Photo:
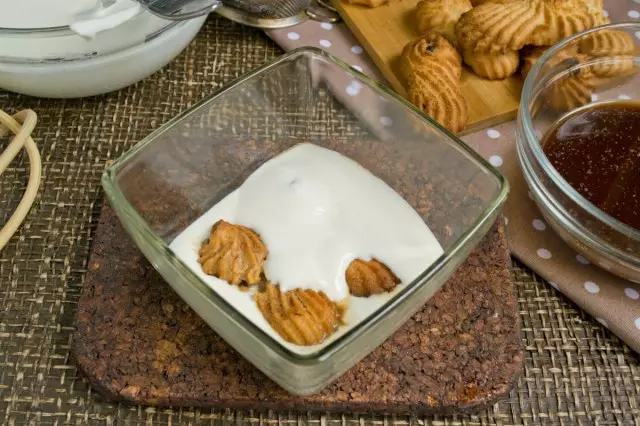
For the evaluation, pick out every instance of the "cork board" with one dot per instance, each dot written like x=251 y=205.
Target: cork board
x=136 y=341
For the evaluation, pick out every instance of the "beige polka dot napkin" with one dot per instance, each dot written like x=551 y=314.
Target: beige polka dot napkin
x=614 y=302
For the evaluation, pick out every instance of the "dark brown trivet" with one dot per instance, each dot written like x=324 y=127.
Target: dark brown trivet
x=137 y=341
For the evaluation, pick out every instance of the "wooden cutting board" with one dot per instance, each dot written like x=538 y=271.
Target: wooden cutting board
x=385 y=30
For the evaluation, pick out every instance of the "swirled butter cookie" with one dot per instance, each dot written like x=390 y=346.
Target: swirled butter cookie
x=367 y=277
x=233 y=253
x=441 y=16
x=301 y=316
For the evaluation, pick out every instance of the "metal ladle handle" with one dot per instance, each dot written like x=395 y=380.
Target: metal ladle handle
x=331 y=17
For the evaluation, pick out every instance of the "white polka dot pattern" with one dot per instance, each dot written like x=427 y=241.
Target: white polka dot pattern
x=591 y=287
x=544 y=253
x=539 y=225
x=325 y=43
x=354 y=88
x=631 y=293
x=496 y=160
x=386 y=121
x=634 y=14
x=493 y=133
x=356 y=49
x=293 y=36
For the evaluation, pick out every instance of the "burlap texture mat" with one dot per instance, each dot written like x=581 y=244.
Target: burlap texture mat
x=576 y=372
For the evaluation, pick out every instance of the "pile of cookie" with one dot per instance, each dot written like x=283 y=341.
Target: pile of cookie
x=236 y=254
x=495 y=39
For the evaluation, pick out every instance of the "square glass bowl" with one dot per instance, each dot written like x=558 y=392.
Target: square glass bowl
x=176 y=174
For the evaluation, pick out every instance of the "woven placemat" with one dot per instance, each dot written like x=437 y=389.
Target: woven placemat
x=576 y=372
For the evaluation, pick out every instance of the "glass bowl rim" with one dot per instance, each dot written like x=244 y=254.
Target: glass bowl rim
x=56 y=31
x=117 y=198
x=536 y=148
x=65 y=31
x=60 y=32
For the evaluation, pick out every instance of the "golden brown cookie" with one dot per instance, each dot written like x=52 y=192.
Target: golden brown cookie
x=563 y=18
x=529 y=56
x=475 y=3
x=429 y=48
x=571 y=93
x=368 y=3
x=432 y=69
x=596 y=8
x=573 y=89
x=441 y=16
x=494 y=66
x=365 y=278
x=440 y=97
x=610 y=53
x=233 y=253
x=500 y=27
x=302 y=317
x=613 y=67
x=607 y=43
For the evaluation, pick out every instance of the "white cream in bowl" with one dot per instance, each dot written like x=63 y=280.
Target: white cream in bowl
x=86 y=17
x=76 y=48
x=316 y=211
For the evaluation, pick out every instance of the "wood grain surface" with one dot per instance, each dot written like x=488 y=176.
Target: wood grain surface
x=385 y=30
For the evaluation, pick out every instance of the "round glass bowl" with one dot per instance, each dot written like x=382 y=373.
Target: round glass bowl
x=58 y=63
x=553 y=89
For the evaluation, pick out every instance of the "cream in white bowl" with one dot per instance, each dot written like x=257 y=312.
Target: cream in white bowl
x=316 y=211
x=90 y=16
x=77 y=48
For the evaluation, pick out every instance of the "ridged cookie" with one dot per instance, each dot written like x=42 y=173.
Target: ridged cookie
x=596 y=8
x=233 y=253
x=441 y=16
x=571 y=93
x=610 y=52
x=432 y=69
x=500 y=27
x=365 y=278
x=575 y=88
x=563 y=18
x=440 y=97
x=494 y=66
x=429 y=48
x=475 y=3
x=302 y=317
x=607 y=43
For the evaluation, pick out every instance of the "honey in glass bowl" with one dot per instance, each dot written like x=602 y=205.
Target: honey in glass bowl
x=596 y=149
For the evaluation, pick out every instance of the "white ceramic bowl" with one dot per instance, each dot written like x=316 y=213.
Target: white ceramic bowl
x=89 y=72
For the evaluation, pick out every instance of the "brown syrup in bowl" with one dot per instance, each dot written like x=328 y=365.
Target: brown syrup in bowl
x=597 y=151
